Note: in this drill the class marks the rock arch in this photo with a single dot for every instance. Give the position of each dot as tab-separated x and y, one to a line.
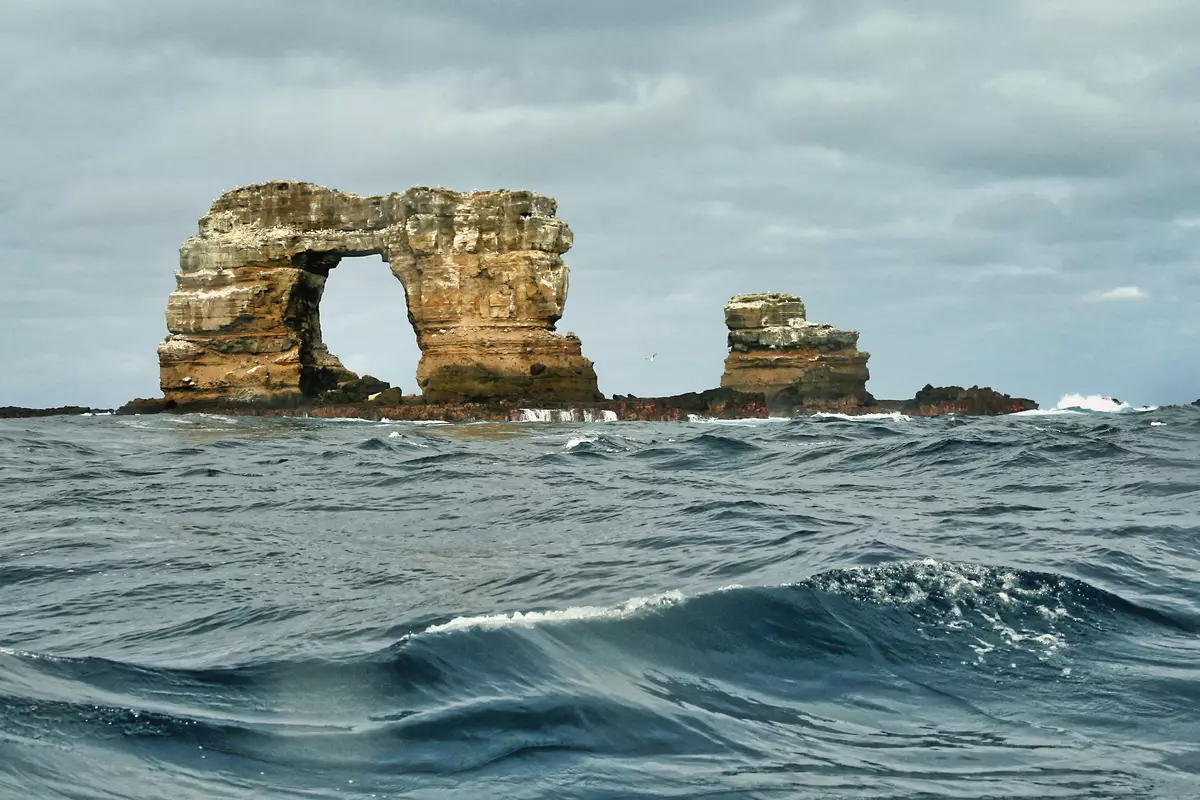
482	273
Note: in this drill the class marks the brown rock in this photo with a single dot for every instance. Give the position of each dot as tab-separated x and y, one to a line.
775	350
146	405
483	275
975	401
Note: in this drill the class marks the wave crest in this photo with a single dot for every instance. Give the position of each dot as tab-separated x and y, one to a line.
528	619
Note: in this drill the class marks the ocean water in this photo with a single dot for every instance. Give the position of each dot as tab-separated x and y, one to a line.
218	607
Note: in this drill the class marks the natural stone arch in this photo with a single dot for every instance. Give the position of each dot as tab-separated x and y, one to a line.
482	272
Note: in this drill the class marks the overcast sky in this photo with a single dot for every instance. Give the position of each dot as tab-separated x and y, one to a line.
997	193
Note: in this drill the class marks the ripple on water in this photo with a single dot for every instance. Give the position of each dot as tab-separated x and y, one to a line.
952	607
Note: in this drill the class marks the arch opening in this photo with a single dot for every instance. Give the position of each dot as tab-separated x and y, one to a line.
354	322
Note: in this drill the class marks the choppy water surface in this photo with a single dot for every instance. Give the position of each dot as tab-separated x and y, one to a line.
209	607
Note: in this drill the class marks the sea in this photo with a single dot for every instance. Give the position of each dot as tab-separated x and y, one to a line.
223	607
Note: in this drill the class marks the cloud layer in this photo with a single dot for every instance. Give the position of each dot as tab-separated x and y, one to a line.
955	180
1121	293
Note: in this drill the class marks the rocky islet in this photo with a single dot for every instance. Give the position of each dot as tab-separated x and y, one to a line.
774	349
485	285
482	272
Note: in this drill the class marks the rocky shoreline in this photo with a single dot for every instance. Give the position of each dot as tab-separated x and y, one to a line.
711	404
22	412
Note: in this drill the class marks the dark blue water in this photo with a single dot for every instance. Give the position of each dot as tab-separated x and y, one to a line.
208	607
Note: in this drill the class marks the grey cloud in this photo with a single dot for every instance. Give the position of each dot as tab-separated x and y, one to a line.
950	178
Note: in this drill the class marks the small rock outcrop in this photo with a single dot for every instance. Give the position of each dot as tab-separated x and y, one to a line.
975	401
775	350
23	412
482	273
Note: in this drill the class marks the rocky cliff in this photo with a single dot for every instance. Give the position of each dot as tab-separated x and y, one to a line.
482	273
774	349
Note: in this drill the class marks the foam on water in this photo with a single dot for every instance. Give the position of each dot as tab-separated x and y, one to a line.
1099	403
1045	412
1004	609
891	416
636	605
405	439
1085	404
567	415
703	420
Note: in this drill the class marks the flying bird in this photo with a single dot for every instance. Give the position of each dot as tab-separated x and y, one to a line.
651	358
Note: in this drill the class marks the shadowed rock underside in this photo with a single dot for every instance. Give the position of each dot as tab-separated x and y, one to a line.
482	273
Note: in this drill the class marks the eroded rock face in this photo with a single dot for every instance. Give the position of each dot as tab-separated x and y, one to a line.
975	401
482	272
775	350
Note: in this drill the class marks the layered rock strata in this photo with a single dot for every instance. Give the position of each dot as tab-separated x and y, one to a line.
482	273
774	349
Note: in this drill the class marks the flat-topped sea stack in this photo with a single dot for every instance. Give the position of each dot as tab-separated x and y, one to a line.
774	349
482	272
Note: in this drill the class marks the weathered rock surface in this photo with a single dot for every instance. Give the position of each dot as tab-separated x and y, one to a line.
482	272
717	403
775	350
146	405
359	390
713	403
975	401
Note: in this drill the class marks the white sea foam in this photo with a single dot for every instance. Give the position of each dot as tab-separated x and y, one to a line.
519	619
967	597
575	441
546	415
408	441
1098	402
1045	412
567	415
1085	404
1157	424
386	421
697	418
894	416
991	605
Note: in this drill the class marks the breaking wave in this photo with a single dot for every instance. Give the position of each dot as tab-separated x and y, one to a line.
1097	403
